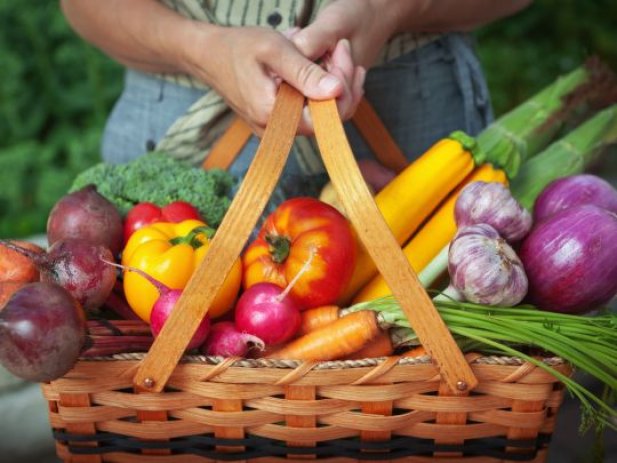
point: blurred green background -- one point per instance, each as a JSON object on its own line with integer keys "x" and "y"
{"x": 55, "y": 90}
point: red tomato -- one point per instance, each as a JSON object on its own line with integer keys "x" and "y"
{"x": 146, "y": 213}
{"x": 308, "y": 241}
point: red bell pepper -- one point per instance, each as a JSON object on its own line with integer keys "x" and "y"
{"x": 146, "y": 213}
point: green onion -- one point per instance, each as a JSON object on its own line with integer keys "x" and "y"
{"x": 585, "y": 341}
{"x": 525, "y": 130}
{"x": 570, "y": 155}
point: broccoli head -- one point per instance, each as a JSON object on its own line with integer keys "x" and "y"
{"x": 157, "y": 178}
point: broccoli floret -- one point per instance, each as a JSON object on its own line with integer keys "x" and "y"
{"x": 160, "y": 179}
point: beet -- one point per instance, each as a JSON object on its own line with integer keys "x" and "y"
{"x": 78, "y": 266}
{"x": 42, "y": 332}
{"x": 87, "y": 215}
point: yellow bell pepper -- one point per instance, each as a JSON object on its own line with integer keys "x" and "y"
{"x": 170, "y": 253}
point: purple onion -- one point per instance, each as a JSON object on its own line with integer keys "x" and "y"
{"x": 571, "y": 260}
{"x": 573, "y": 191}
{"x": 493, "y": 204}
{"x": 484, "y": 268}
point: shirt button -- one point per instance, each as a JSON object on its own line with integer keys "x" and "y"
{"x": 274, "y": 18}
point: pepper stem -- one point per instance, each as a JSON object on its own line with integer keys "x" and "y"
{"x": 192, "y": 237}
{"x": 279, "y": 247}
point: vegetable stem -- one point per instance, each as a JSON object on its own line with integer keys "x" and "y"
{"x": 586, "y": 342}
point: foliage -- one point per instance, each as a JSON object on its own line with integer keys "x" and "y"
{"x": 55, "y": 93}
{"x": 56, "y": 90}
{"x": 525, "y": 52}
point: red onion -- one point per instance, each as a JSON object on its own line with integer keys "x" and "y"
{"x": 572, "y": 191}
{"x": 493, "y": 204}
{"x": 571, "y": 260}
{"x": 484, "y": 268}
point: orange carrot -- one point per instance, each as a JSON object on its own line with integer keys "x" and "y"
{"x": 333, "y": 341}
{"x": 415, "y": 351}
{"x": 317, "y": 317}
{"x": 381, "y": 346}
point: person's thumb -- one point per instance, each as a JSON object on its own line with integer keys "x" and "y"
{"x": 311, "y": 79}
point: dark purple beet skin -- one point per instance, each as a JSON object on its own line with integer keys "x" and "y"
{"x": 571, "y": 260}
{"x": 42, "y": 332}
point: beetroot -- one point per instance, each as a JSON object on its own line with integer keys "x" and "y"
{"x": 76, "y": 265}
{"x": 42, "y": 332}
{"x": 87, "y": 215}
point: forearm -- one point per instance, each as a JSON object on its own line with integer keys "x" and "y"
{"x": 446, "y": 15}
{"x": 141, "y": 34}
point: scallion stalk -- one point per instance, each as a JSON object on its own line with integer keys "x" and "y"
{"x": 586, "y": 342}
{"x": 570, "y": 155}
{"x": 525, "y": 130}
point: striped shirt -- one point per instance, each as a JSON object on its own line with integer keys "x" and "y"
{"x": 192, "y": 134}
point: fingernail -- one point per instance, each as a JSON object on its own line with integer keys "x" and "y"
{"x": 361, "y": 76}
{"x": 329, "y": 83}
{"x": 306, "y": 116}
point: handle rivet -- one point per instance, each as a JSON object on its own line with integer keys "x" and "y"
{"x": 148, "y": 383}
{"x": 461, "y": 385}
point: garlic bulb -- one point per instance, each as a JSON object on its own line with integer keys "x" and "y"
{"x": 492, "y": 203}
{"x": 484, "y": 268}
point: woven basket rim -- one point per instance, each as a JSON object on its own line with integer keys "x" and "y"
{"x": 240, "y": 362}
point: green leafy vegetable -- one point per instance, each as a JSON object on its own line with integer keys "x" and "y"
{"x": 160, "y": 179}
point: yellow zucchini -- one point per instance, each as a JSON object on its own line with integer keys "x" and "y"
{"x": 434, "y": 234}
{"x": 413, "y": 194}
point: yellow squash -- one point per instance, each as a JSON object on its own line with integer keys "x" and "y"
{"x": 413, "y": 194}
{"x": 434, "y": 234}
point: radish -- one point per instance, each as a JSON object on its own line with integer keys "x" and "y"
{"x": 265, "y": 310}
{"x": 164, "y": 305}
{"x": 226, "y": 340}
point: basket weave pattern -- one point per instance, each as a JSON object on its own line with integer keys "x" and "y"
{"x": 449, "y": 407}
{"x": 292, "y": 404}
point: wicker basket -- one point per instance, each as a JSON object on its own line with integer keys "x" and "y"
{"x": 164, "y": 406}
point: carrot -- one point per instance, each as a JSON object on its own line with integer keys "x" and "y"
{"x": 317, "y": 317}
{"x": 333, "y": 341}
{"x": 415, "y": 351}
{"x": 381, "y": 346}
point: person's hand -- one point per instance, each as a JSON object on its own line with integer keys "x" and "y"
{"x": 250, "y": 62}
{"x": 365, "y": 24}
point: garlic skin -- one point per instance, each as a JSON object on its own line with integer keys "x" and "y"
{"x": 484, "y": 268}
{"x": 492, "y": 203}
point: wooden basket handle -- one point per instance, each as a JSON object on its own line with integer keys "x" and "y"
{"x": 384, "y": 249}
{"x": 227, "y": 148}
{"x": 243, "y": 213}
